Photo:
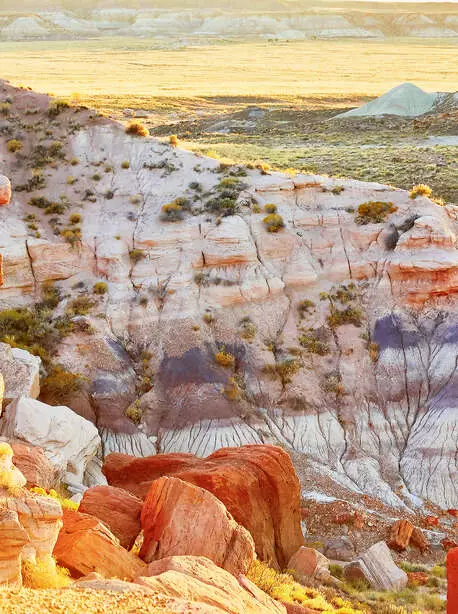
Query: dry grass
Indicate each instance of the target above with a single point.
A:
(321, 68)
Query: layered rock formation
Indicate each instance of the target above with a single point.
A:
(339, 329)
(257, 484)
(180, 519)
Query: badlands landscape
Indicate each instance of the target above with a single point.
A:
(228, 347)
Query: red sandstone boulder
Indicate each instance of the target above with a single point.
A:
(5, 190)
(452, 581)
(308, 563)
(182, 519)
(418, 540)
(400, 535)
(117, 509)
(36, 467)
(207, 588)
(257, 484)
(13, 538)
(86, 545)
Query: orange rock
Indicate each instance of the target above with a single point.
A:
(308, 563)
(432, 521)
(400, 535)
(294, 608)
(417, 578)
(257, 484)
(13, 538)
(5, 190)
(452, 581)
(178, 518)
(453, 513)
(36, 467)
(448, 544)
(207, 588)
(418, 540)
(86, 545)
(117, 508)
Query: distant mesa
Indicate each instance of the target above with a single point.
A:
(405, 100)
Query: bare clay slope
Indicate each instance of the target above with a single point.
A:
(332, 337)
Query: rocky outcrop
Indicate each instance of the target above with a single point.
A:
(13, 538)
(452, 581)
(21, 373)
(340, 548)
(5, 190)
(36, 467)
(117, 509)
(308, 564)
(182, 519)
(86, 545)
(377, 567)
(257, 484)
(199, 581)
(65, 436)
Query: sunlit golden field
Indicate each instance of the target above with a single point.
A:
(124, 66)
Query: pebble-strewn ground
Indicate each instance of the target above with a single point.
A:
(29, 601)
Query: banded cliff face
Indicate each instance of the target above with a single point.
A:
(335, 339)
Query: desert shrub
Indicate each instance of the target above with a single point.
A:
(314, 342)
(71, 235)
(57, 107)
(125, 164)
(304, 307)
(80, 306)
(256, 208)
(208, 318)
(55, 209)
(273, 222)
(100, 287)
(264, 167)
(134, 412)
(225, 359)
(349, 315)
(59, 384)
(5, 108)
(14, 145)
(75, 218)
(439, 571)
(336, 570)
(232, 390)
(421, 189)
(374, 351)
(137, 129)
(332, 383)
(39, 201)
(96, 177)
(247, 329)
(285, 370)
(35, 182)
(270, 208)
(173, 140)
(172, 212)
(71, 180)
(338, 189)
(374, 212)
(136, 255)
(44, 573)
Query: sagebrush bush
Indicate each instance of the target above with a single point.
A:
(60, 384)
(173, 140)
(225, 359)
(270, 208)
(14, 145)
(137, 129)
(172, 212)
(100, 288)
(273, 222)
(374, 212)
(421, 189)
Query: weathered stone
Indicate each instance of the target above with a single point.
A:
(13, 538)
(58, 430)
(36, 466)
(340, 548)
(21, 373)
(200, 581)
(86, 545)
(418, 540)
(117, 509)
(377, 567)
(308, 563)
(5, 190)
(400, 535)
(178, 518)
(257, 484)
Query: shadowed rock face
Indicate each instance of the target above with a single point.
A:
(343, 343)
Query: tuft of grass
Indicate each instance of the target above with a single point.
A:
(44, 573)
(421, 189)
(273, 222)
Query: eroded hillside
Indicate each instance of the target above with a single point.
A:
(194, 305)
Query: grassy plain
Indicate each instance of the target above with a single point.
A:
(204, 93)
